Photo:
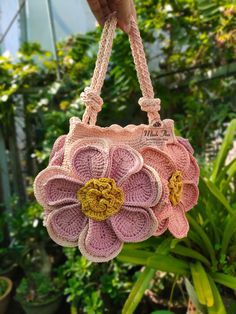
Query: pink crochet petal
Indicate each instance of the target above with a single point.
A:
(99, 242)
(65, 225)
(189, 196)
(165, 212)
(158, 160)
(58, 158)
(89, 162)
(178, 223)
(124, 162)
(162, 214)
(57, 146)
(61, 190)
(134, 224)
(42, 178)
(192, 172)
(142, 189)
(57, 154)
(162, 227)
(179, 154)
(185, 143)
(164, 200)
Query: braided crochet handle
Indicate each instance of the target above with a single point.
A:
(91, 95)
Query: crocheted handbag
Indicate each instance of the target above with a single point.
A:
(107, 186)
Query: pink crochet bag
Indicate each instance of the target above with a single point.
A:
(107, 186)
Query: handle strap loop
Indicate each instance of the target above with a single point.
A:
(91, 95)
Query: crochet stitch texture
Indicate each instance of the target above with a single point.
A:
(107, 186)
(126, 218)
(179, 174)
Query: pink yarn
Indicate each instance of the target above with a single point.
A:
(57, 153)
(174, 157)
(142, 160)
(56, 187)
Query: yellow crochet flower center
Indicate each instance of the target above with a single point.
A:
(176, 187)
(100, 198)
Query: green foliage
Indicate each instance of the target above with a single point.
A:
(29, 247)
(207, 254)
(138, 290)
(3, 286)
(37, 288)
(161, 312)
(92, 288)
(191, 52)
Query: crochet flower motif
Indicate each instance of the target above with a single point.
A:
(179, 174)
(98, 197)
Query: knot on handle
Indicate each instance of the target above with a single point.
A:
(152, 107)
(93, 103)
(91, 99)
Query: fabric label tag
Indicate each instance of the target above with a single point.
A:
(157, 135)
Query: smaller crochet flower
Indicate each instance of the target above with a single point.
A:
(179, 174)
(98, 197)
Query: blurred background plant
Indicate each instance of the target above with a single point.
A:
(192, 59)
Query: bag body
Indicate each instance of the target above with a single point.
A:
(104, 187)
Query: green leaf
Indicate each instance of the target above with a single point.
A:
(204, 238)
(155, 260)
(229, 231)
(168, 264)
(162, 312)
(218, 306)
(224, 149)
(225, 280)
(138, 290)
(137, 257)
(164, 246)
(193, 297)
(187, 252)
(219, 196)
(227, 170)
(201, 284)
(231, 171)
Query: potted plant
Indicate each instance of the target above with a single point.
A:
(39, 294)
(8, 265)
(5, 290)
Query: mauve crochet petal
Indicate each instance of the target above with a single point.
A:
(65, 225)
(192, 172)
(178, 223)
(43, 177)
(98, 242)
(134, 224)
(160, 161)
(142, 189)
(189, 196)
(179, 155)
(88, 162)
(61, 190)
(124, 162)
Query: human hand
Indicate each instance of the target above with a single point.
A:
(124, 9)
